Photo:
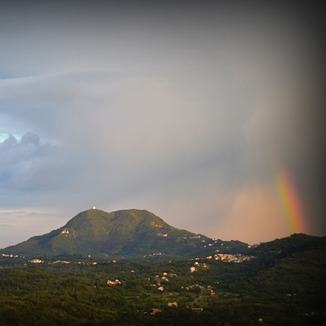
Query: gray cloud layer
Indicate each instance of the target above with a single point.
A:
(181, 110)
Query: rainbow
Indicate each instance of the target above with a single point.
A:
(290, 203)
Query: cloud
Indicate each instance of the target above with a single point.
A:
(176, 110)
(30, 138)
(20, 161)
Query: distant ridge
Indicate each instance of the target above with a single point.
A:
(127, 233)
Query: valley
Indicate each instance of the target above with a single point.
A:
(282, 284)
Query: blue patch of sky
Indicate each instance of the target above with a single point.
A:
(5, 135)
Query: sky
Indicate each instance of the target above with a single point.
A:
(196, 111)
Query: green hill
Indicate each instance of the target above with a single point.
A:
(121, 233)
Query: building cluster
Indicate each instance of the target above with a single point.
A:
(162, 235)
(232, 258)
(159, 280)
(36, 261)
(9, 255)
(198, 265)
(113, 283)
(60, 261)
(155, 254)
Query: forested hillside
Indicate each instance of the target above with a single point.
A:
(284, 286)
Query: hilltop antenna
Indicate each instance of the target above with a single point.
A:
(94, 207)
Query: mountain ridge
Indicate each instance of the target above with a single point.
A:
(136, 233)
(131, 232)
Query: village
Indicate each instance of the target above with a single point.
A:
(162, 283)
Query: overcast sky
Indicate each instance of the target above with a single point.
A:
(186, 110)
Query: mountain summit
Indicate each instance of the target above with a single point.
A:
(120, 233)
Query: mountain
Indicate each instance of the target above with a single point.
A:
(121, 233)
